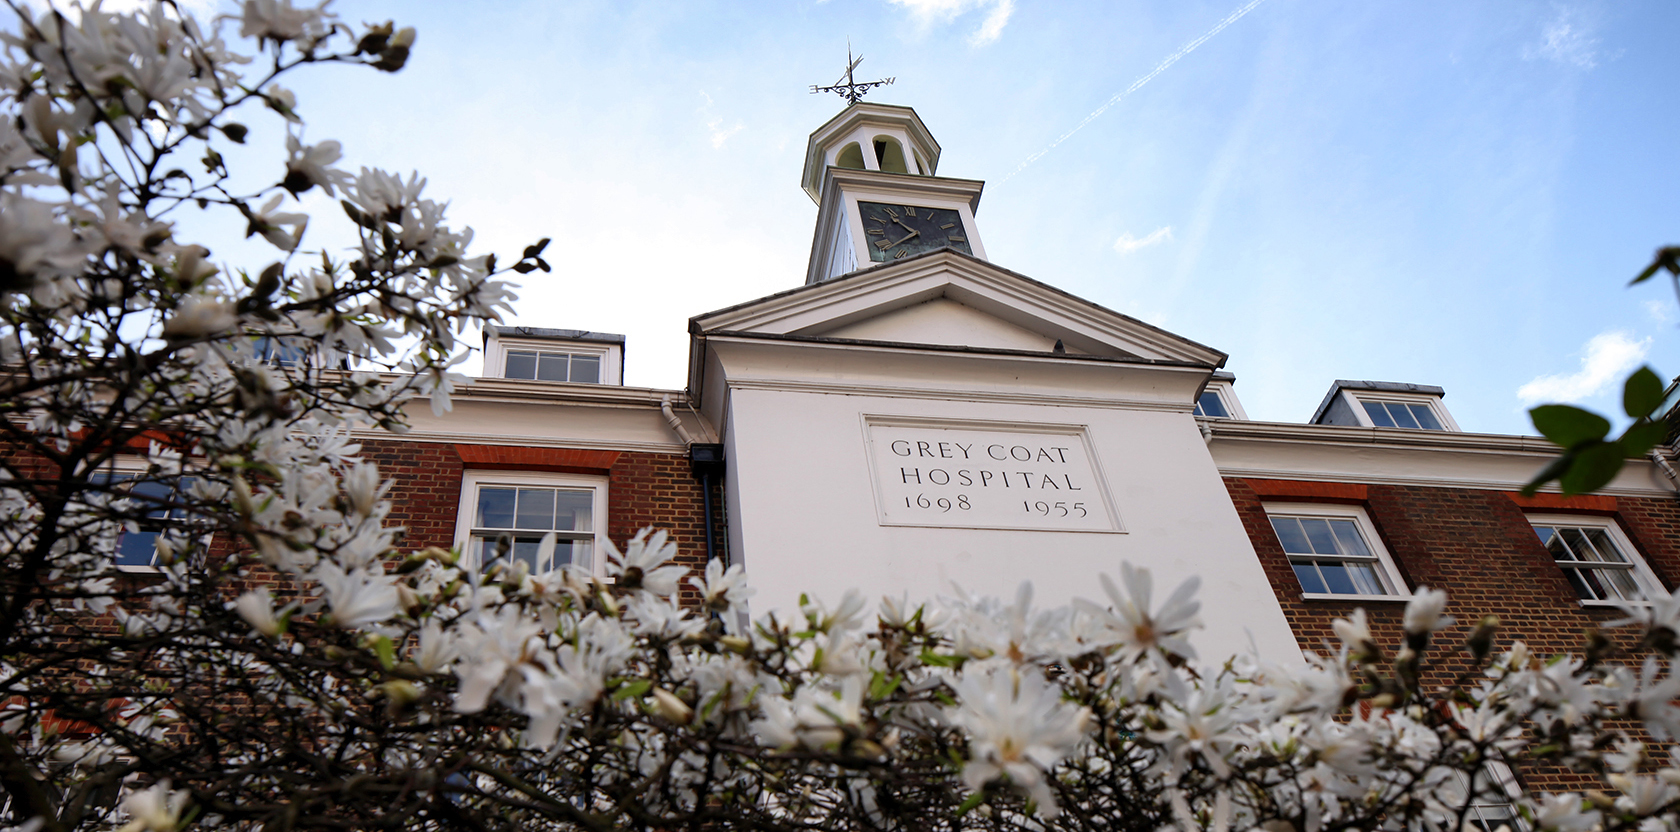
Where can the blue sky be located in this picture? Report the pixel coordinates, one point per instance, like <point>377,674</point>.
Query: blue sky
<point>1450,193</point>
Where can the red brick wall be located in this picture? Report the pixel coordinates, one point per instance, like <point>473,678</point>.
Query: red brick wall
<point>1479,547</point>
<point>643,489</point>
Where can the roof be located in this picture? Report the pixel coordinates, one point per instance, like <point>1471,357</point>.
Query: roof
<point>545,333</point>
<point>1379,386</point>
<point>730,319</point>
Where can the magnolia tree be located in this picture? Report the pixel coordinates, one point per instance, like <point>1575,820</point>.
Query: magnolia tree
<point>284,666</point>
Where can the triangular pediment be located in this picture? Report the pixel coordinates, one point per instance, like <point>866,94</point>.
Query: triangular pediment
<point>948,299</point>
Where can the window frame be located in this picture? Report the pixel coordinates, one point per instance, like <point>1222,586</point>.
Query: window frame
<point>612,363</point>
<point>130,468</point>
<point>1356,400</point>
<point>474,479</point>
<point>1387,571</point>
<point>1493,779</point>
<point>1647,580</point>
<point>1227,396</point>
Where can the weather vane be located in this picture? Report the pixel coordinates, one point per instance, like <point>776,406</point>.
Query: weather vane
<point>851,90</point>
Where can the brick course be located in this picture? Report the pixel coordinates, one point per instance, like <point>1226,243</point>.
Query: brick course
<point>1478,546</point>
<point>643,489</point>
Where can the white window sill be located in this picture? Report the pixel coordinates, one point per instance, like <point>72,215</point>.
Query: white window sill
<point>1337,596</point>
<point>139,570</point>
<point>1614,604</point>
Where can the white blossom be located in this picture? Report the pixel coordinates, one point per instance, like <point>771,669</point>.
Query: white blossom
<point>154,809</point>
<point>199,317</point>
<point>1019,728</point>
<point>257,608</point>
<point>310,165</point>
<point>1134,628</point>
<point>358,597</point>
<point>645,563</point>
<point>1424,612</point>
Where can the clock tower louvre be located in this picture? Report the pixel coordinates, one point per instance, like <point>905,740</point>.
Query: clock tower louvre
<point>871,171</point>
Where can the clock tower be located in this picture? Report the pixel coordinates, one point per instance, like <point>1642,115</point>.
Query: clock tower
<point>871,171</point>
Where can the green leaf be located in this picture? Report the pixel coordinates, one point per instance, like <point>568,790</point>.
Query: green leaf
<point>385,650</point>
<point>1668,257</point>
<point>972,801</point>
<point>1569,426</point>
<point>933,659</point>
<point>1594,467</point>
<point>1643,393</point>
<point>1552,471</point>
<point>636,688</point>
<point>1641,437</point>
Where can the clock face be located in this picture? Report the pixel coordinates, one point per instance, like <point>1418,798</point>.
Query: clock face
<point>896,231</point>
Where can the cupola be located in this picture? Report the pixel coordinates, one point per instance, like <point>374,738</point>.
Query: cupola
<point>866,136</point>
<point>871,170</point>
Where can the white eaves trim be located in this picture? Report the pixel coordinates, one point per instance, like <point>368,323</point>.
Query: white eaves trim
<point>996,291</point>
<point>1390,456</point>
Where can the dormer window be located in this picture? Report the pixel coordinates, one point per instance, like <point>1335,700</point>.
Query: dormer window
<point>1401,415</point>
<point>573,356</point>
<point>552,366</point>
<point>1219,399</point>
<point>1211,405</point>
<point>1384,404</point>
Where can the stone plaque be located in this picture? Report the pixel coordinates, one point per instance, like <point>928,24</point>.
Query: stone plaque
<point>984,475</point>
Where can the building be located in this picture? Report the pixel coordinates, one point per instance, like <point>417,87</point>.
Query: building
<point>913,415</point>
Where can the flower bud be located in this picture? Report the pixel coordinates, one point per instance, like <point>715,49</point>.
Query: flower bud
<point>667,705</point>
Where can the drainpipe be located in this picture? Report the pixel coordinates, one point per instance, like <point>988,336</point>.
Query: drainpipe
<point>1663,465</point>
<point>675,423</point>
<point>706,460</point>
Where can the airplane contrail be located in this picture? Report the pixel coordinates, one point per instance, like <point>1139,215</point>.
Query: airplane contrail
<point>1159,68</point>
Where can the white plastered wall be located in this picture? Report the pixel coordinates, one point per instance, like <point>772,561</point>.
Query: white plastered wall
<point>804,516</point>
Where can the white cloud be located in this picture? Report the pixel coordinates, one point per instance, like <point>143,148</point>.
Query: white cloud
<point>721,134</point>
<point>1661,311</point>
<point>930,12</point>
<point>714,124</point>
<point>1609,357</point>
<point>1128,244</point>
<point>1566,39</point>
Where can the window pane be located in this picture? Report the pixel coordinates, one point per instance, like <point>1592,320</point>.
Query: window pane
<point>1338,577</point>
<point>586,369</point>
<point>1402,417</point>
<point>1307,574</point>
<point>136,548</point>
<point>1379,414</point>
<point>1211,405</point>
<point>520,364</point>
<point>1365,579</point>
<point>536,509</point>
<point>1600,540</point>
<point>1579,545</point>
<point>1318,531</point>
<point>1425,417</point>
<point>570,551</point>
<point>552,367</point>
<point>495,508</point>
<point>573,510</point>
<point>151,497</point>
<point>1347,537</point>
<point>525,549</point>
<point>1554,544</point>
<point>1290,535</point>
<point>1582,590</point>
<point>1620,582</point>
